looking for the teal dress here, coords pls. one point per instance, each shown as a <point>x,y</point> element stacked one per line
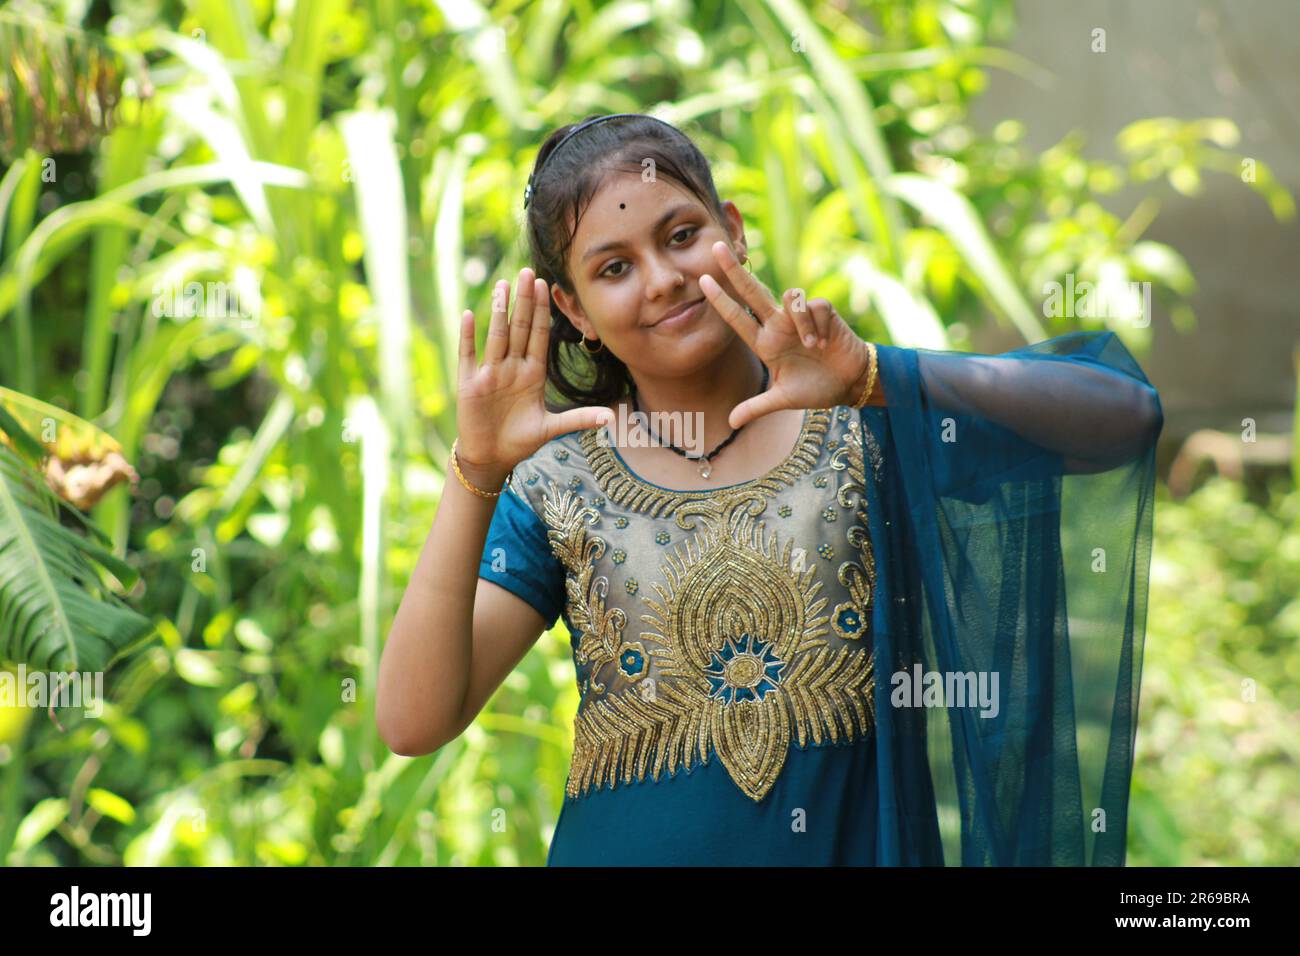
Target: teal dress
<point>863,656</point>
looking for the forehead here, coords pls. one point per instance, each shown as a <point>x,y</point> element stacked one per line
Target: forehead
<point>626,209</point>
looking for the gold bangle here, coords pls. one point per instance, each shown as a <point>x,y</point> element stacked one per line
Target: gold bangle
<point>464,481</point>
<point>871,377</point>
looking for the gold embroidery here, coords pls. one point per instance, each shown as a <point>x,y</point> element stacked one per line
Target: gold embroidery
<point>741,668</point>
<point>624,488</point>
<point>600,631</point>
<point>859,578</point>
<point>735,658</point>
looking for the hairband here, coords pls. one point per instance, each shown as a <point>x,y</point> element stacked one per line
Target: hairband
<point>529,191</point>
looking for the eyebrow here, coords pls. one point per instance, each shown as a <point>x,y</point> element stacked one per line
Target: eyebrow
<point>659,224</point>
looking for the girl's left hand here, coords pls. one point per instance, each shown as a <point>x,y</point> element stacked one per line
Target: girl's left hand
<point>803,375</point>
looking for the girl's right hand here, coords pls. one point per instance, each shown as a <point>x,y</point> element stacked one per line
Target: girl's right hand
<point>501,414</point>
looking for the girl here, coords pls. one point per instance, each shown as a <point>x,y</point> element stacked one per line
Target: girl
<point>833,630</point>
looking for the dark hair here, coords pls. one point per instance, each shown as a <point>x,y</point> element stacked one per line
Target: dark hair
<point>563,187</point>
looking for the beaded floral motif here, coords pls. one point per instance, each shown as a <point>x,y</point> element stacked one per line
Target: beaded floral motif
<point>735,658</point>
<point>848,621</point>
<point>633,661</point>
<point>746,669</point>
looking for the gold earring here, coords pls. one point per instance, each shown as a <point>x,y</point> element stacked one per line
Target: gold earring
<point>583,343</point>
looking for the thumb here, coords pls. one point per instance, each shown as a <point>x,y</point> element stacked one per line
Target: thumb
<point>761,404</point>
<point>578,419</point>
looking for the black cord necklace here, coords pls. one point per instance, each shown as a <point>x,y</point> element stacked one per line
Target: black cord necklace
<point>705,467</point>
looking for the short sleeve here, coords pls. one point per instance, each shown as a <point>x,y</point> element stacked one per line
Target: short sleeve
<point>518,557</point>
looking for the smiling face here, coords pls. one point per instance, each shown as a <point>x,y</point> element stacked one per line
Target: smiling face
<point>638,255</point>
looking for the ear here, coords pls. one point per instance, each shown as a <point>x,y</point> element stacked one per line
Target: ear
<point>735,226</point>
<point>569,306</point>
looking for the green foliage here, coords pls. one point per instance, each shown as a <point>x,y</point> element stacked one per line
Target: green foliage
<point>1217,775</point>
<point>54,613</point>
<point>59,86</point>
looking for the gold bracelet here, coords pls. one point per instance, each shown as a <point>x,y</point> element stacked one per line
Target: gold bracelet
<point>464,481</point>
<point>871,377</point>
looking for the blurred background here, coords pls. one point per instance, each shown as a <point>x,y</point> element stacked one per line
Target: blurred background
<point>235,240</point>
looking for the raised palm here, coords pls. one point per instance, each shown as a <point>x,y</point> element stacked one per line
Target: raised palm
<point>501,412</point>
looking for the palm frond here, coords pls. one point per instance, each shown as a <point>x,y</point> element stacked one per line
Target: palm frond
<point>55,613</point>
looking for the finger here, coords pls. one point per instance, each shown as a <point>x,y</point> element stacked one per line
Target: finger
<point>577,419</point>
<point>541,333</point>
<point>761,404</point>
<point>498,337</point>
<point>796,306</point>
<point>752,292</point>
<point>522,321</point>
<point>468,363</point>
<point>735,316</point>
<point>823,314</point>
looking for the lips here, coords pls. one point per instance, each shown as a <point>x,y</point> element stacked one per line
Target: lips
<point>687,311</point>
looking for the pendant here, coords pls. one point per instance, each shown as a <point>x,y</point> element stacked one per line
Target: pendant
<point>705,468</point>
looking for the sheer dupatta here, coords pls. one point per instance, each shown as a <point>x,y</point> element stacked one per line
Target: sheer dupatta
<point>1013,514</point>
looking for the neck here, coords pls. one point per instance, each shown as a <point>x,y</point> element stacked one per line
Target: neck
<point>711,392</point>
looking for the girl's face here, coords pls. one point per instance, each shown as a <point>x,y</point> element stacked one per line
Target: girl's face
<point>638,255</point>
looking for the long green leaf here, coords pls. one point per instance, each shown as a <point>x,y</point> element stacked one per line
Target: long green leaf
<point>910,319</point>
<point>381,206</point>
<point>125,156</point>
<point>486,43</point>
<point>855,115</point>
<point>956,217</point>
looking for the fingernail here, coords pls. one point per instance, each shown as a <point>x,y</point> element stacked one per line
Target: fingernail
<point>809,341</point>
<point>823,343</point>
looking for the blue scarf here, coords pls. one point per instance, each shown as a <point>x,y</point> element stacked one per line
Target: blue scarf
<point>1025,482</point>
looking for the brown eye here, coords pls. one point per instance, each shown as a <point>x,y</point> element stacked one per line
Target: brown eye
<point>687,230</point>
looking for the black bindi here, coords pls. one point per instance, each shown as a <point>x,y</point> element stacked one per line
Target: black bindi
<point>622,205</point>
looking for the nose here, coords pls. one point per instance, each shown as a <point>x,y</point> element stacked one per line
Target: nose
<point>664,279</point>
